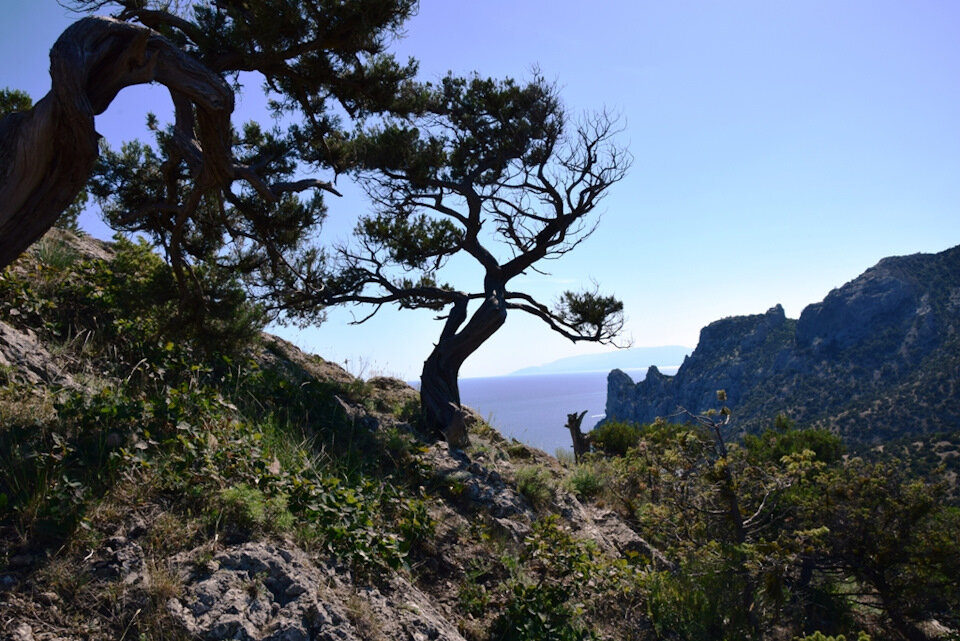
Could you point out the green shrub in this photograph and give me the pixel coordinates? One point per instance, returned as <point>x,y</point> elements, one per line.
<point>127,309</point>
<point>535,484</point>
<point>564,456</point>
<point>700,602</point>
<point>538,613</point>
<point>251,511</point>
<point>51,469</point>
<point>615,438</point>
<point>548,586</point>
<point>774,444</point>
<point>585,482</point>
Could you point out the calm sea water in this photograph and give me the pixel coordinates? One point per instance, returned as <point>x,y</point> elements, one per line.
<point>533,409</point>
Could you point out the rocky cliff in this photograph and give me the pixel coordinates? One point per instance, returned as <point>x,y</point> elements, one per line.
<point>878,357</point>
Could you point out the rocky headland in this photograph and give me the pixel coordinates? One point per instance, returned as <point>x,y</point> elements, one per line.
<point>878,358</point>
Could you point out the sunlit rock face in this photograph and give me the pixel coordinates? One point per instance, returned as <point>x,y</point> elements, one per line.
<point>878,357</point>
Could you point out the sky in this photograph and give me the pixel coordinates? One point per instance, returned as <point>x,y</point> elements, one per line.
<point>780,149</point>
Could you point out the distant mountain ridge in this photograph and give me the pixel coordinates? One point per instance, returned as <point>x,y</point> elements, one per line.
<point>878,358</point>
<point>633,358</point>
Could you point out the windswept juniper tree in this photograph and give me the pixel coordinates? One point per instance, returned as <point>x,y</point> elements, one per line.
<point>494,171</point>
<point>490,170</point>
<point>205,190</point>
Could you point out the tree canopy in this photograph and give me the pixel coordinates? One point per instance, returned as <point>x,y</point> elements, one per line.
<point>493,170</point>
<point>204,186</point>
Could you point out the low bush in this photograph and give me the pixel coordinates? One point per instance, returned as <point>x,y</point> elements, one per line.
<point>534,483</point>
<point>585,482</point>
<point>614,438</point>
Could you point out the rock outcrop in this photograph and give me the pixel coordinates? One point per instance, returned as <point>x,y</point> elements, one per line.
<point>259,591</point>
<point>881,351</point>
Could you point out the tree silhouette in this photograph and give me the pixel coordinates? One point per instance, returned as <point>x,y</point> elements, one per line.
<point>322,60</point>
<point>493,171</point>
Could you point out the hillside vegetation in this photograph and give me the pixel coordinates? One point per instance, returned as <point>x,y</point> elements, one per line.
<point>171,475</point>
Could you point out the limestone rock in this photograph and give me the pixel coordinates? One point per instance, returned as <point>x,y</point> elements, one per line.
<point>876,353</point>
<point>259,592</point>
<point>264,592</point>
<point>483,488</point>
<point>29,359</point>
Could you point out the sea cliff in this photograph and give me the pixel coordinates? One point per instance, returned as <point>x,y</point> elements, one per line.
<point>879,357</point>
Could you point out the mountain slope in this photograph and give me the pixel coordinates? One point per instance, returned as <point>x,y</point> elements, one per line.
<point>158,482</point>
<point>165,480</point>
<point>879,357</point>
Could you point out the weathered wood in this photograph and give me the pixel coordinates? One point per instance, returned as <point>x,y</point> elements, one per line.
<point>439,389</point>
<point>581,441</point>
<point>48,153</point>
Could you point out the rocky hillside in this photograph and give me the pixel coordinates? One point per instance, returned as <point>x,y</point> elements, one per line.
<point>153,489</point>
<point>878,358</point>
<point>171,474</point>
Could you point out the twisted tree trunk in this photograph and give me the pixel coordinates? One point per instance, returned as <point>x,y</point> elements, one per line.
<point>48,153</point>
<point>439,389</point>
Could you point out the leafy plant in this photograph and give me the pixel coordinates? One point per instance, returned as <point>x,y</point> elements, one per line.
<point>584,481</point>
<point>615,438</point>
<point>535,484</point>
<point>250,510</point>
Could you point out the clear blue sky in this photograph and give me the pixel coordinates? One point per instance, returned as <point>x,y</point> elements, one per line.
<point>780,149</point>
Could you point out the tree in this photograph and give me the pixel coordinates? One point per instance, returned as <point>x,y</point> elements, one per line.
<point>489,164</point>
<point>896,536</point>
<point>444,161</point>
<point>318,58</point>
<point>13,100</point>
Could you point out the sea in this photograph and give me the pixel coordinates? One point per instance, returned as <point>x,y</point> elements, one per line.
<point>533,408</point>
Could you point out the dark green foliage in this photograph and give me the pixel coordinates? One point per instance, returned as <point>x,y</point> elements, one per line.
<point>49,471</point>
<point>249,472</point>
<point>439,161</point>
<point>819,539</point>
<point>774,444</point>
<point>538,613</point>
<point>895,536</point>
<point>535,484</point>
<point>700,602</point>
<point>12,100</point>
<point>248,449</point>
<point>615,437</point>
<point>135,180</point>
<point>493,171</point>
<point>588,312</point>
<point>547,583</point>
<point>232,198</point>
<point>251,511</point>
<point>477,136</point>
<point>129,308</point>
<point>585,482</point>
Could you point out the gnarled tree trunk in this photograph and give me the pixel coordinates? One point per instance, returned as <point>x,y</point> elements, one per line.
<point>48,153</point>
<point>439,390</point>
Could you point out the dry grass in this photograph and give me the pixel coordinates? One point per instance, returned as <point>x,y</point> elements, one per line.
<point>363,618</point>
<point>22,404</point>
